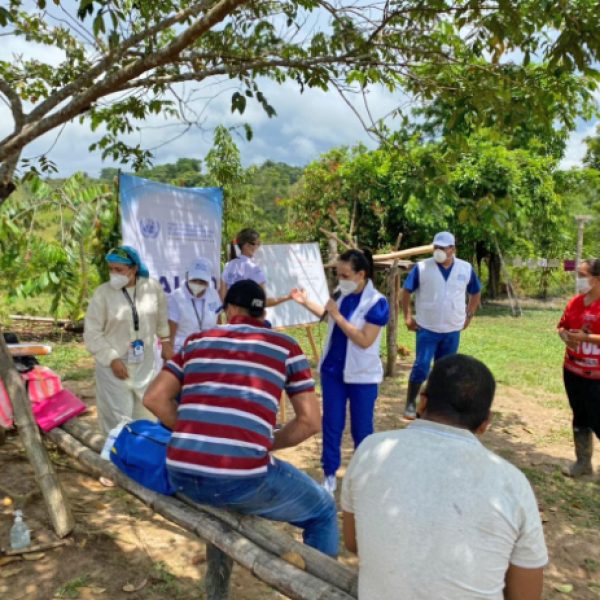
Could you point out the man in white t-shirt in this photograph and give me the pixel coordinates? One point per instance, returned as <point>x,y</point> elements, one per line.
<point>457,521</point>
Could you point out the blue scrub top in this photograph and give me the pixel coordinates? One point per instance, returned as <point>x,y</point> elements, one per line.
<point>378,314</point>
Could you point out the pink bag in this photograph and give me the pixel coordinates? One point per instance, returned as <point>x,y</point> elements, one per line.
<point>41,383</point>
<point>57,409</point>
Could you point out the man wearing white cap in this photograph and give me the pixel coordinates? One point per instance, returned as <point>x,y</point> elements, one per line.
<point>195,305</point>
<point>440,285</point>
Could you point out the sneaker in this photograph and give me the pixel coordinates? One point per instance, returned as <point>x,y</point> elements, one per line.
<point>329,484</point>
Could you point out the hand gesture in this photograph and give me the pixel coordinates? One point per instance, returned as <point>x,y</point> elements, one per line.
<point>411,324</point>
<point>119,369</point>
<point>299,295</point>
<point>332,308</point>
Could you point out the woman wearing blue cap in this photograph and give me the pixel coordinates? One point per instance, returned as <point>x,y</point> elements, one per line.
<point>123,319</point>
<point>195,305</point>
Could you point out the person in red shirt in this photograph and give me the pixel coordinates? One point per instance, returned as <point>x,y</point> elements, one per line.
<point>579,328</point>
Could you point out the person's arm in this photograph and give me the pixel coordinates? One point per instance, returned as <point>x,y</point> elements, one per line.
<point>172,331</point>
<point>349,531</point>
<point>363,337</point>
<point>409,320</point>
<point>301,297</point>
<point>278,299</point>
<point>474,301</point>
<point>222,290</point>
<point>162,324</point>
<point>306,421</point>
<point>523,584</point>
<point>159,398</point>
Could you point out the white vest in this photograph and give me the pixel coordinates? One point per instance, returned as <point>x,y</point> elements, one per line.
<point>363,365</point>
<point>206,306</point>
<point>441,304</point>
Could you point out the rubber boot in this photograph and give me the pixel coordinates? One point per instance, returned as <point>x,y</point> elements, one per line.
<point>584,447</point>
<point>410,412</point>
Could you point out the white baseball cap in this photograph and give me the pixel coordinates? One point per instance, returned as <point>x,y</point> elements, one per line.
<point>201,269</point>
<point>443,239</point>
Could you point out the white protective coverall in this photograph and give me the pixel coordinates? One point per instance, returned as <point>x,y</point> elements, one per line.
<point>108,331</point>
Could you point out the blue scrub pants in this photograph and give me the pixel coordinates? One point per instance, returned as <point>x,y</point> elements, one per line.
<point>431,346</point>
<point>336,393</point>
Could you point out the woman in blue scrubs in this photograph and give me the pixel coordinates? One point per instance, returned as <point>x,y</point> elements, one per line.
<point>350,368</point>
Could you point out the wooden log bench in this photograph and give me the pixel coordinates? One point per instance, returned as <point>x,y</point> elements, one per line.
<point>294,569</point>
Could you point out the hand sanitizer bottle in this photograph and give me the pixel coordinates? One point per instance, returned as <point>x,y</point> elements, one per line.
<point>19,533</point>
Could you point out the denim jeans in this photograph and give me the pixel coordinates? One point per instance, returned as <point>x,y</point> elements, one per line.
<point>283,494</point>
<point>336,394</point>
<point>430,346</point>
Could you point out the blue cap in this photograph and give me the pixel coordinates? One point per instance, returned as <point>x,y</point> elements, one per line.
<point>443,239</point>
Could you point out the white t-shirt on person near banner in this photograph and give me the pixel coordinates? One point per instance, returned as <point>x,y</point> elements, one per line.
<point>438,516</point>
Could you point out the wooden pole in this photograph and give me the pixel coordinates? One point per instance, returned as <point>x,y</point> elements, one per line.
<point>404,253</point>
<point>218,573</point>
<point>260,531</point>
<point>280,574</point>
<point>313,345</point>
<point>392,328</point>
<point>54,496</point>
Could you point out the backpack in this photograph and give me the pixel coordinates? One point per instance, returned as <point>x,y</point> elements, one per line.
<point>140,451</point>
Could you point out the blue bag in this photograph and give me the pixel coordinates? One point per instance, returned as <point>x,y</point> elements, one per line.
<point>140,451</point>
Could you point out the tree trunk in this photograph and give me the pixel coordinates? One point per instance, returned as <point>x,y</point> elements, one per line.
<point>544,283</point>
<point>56,501</point>
<point>494,275</point>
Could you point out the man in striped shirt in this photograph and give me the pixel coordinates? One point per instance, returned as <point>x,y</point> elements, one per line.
<point>220,396</point>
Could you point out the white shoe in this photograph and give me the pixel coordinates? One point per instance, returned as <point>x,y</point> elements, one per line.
<point>329,484</point>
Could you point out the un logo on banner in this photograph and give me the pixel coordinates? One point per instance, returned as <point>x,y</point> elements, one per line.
<point>149,227</point>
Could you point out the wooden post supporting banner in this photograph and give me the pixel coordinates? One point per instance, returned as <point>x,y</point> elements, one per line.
<point>56,501</point>
<point>392,328</point>
<point>313,345</point>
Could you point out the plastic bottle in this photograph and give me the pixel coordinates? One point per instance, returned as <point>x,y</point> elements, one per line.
<point>112,436</point>
<point>19,533</point>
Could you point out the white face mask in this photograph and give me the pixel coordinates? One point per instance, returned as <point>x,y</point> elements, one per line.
<point>347,286</point>
<point>583,285</point>
<point>118,281</point>
<point>439,256</point>
<point>197,288</point>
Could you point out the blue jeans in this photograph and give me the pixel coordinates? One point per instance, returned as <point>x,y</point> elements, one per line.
<point>336,393</point>
<point>283,494</point>
<point>430,346</point>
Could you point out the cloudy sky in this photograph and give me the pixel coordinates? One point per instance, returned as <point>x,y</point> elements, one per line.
<point>307,124</point>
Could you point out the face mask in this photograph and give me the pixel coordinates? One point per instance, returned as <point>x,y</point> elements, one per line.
<point>583,285</point>
<point>118,281</point>
<point>347,286</point>
<point>439,256</point>
<point>197,288</point>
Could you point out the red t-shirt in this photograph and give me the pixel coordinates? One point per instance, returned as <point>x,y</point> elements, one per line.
<point>585,359</point>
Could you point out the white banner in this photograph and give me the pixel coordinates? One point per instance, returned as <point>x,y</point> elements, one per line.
<point>171,226</point>
<point>292,265</point>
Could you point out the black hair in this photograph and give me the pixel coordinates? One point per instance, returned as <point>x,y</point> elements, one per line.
<point>460,390</point>
<point>360,260</point>
<point>593,265</point>
<point>245,236</point>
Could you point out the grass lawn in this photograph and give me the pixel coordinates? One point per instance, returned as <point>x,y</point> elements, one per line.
<point>522,352</point>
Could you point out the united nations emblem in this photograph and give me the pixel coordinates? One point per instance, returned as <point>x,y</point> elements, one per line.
<point>150,228</point>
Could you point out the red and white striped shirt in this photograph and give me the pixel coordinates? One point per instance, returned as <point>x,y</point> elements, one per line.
<point>232,377</point>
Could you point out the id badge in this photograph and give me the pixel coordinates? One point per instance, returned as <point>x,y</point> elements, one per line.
<point>135,353</point>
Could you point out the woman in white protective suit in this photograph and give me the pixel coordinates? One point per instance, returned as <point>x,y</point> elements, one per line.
<point>125,316</point>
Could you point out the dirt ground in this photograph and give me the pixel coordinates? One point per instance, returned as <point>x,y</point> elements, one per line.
<point>118,541</point>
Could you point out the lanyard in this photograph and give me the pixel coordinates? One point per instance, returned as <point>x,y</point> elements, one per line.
<point>134,312</point>
<point>200,321</point>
